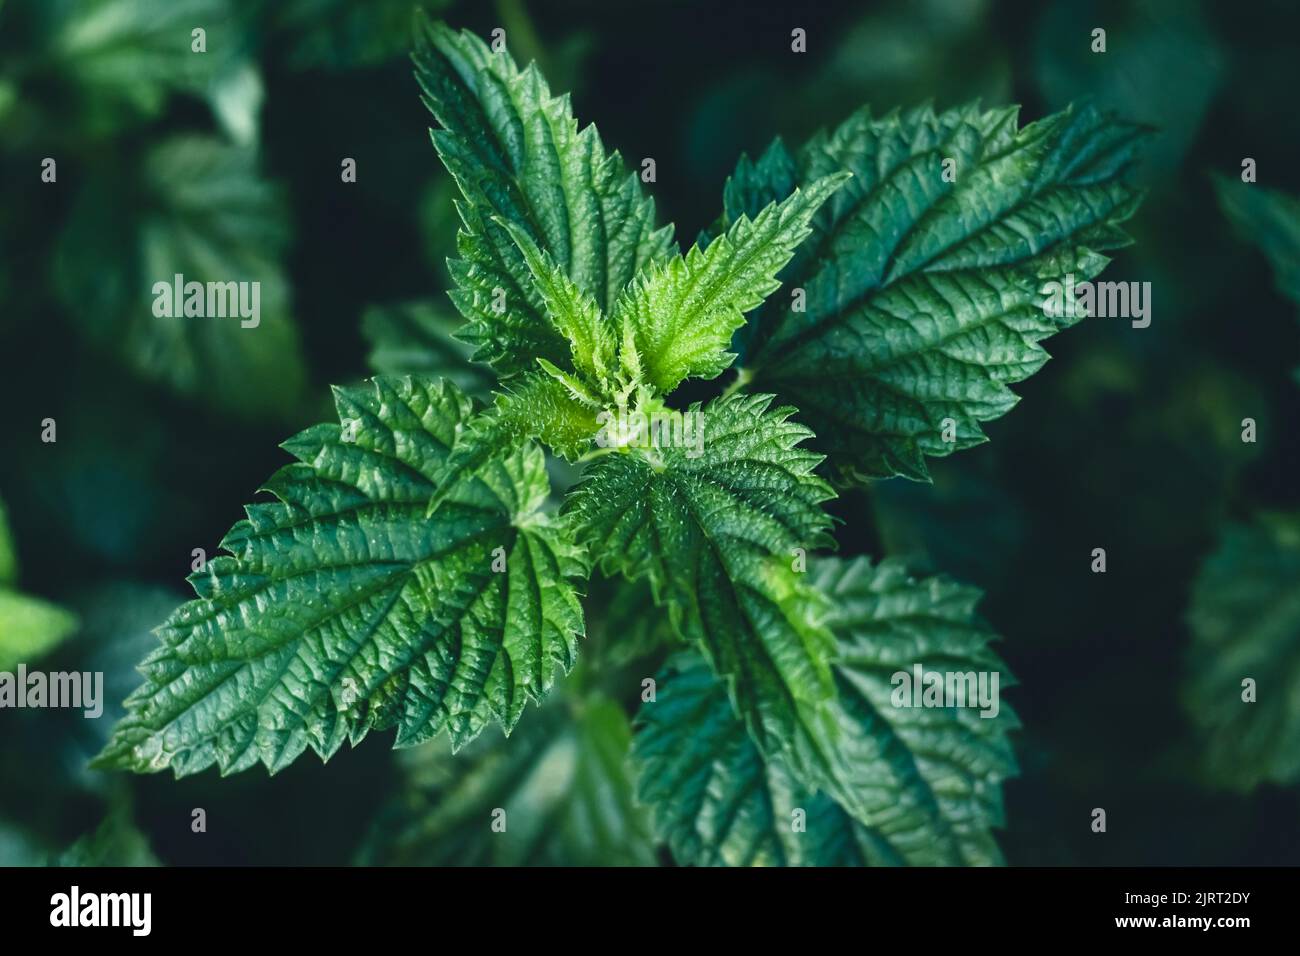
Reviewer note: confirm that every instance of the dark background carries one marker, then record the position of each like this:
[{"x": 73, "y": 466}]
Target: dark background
[{"x": 1128, "y": 440}]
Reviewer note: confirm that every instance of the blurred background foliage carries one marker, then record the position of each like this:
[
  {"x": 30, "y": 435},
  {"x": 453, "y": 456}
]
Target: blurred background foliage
[{"x": 228, "y": 164}]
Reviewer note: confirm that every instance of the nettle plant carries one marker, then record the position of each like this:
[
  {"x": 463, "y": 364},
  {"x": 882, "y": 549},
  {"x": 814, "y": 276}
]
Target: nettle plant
[{"x": 410, "y": 574}]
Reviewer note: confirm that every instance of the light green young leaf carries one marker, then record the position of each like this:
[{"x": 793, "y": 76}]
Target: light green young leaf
[
  {"x": 682, "y": 313},
  {"x": 561, "y": 779},
  {"x": 534, "y": 406},
  {"x": 30, "y": 628},
  {"x": 517, "y": 154},
  {"x": 923, "y": 296},
  {"x": 918, "y": 786},
  {"x": 205, "y": 214},
  {"x": 574, "y": 313},
  {"x": 342, "y": 608},
  {"x": 716, "y": 529},
  {"x": 1245, "y": 622}
]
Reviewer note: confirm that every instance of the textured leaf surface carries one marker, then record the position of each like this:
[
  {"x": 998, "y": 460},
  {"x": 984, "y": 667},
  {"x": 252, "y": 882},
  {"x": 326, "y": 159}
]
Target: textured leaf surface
[
  {"x": 341, "y": 608},
  {"x": 715, "y": 533},
  {"x": 561, "y": 778},
  {"x": 202, "y": 213},
  {"x": 1245, "y": 621},
  {"x": 574, "y": 313},
  {"x": 924, "y": 297},
  {"x": 517, "y": 154},
  {"x": 923, "y": 784},
  {"x": 716, "y": 800},
  {"x": 682, "y": 314}
]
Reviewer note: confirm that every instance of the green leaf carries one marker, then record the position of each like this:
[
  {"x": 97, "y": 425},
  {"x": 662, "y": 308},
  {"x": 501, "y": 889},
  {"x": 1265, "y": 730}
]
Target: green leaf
[
  {"x": 1245, "y": 622},
  {"x": 30, "y": 628},
  {"x": 561, "y": 779},
  {"x": 341, "y": 608},
  {"x": 415, "y": 338},
  {"x": 127, "y": 56},
  {"x": 924, "y": 297},
  {"x": 529, "y": 407},
  {"x": 517, "y": 154},
  {"x": 339, "y": 35},
  {"x": 1270, "y": 220},
  {"x": 716, "y": 800},
  {"x": 716, "y": 531},
  {"x": 928, "y": 778},
  {"x": 682, "y": 313},
  {"x": 917, "y": 786},
  {"x": 196, "y": 208},
  {"x": 115, "y": 842},
  {"x": 574, "y": 314},
  {"x": 8, "y": 554}
]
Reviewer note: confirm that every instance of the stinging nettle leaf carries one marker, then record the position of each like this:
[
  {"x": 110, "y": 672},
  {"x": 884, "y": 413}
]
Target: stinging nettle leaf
[
  {"x": 340, "y": 607},
  {"x": 716, "y": 530},
  {"x": 1271, "y": 220},
  {"x": 517, "y": 154},
  {"x": 415, "y": 338},
  {"x": 203, "y": 213},
  {"x": 716, "y": 800},
  {"x": 682, "y": 313},
  {"x": 1245, "y": 623},
  {"x": 923, "y": 296},
  {"x": 30, "y": 628},
  {"x": 574, "y": 314},
  {"x": 561, "y": 780},
  {"x": 916, "y": 786}
]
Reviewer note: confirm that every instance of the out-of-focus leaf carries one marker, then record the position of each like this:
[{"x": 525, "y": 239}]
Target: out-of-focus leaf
[
  {"x": 1163, "y": 64},
  {"x": 197, "y": 209},
  {"x": 1245, "y": 622},
  {"x": 966, "y": 523},
  {"x": 17, "y": 848},
  {"x": 415, "y": 338},
  {"x": 561, "y": 780},
  {"x": 115, "y": 842},
  {"x": 629, "y": 627},
  {"x": 8, "y": 557},
  {"x": 30, "y": 628},
  {"x": 121, "y": 59},
  {"x": 342, "y": 34},
  {"x": 1270, "y": 220}
]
